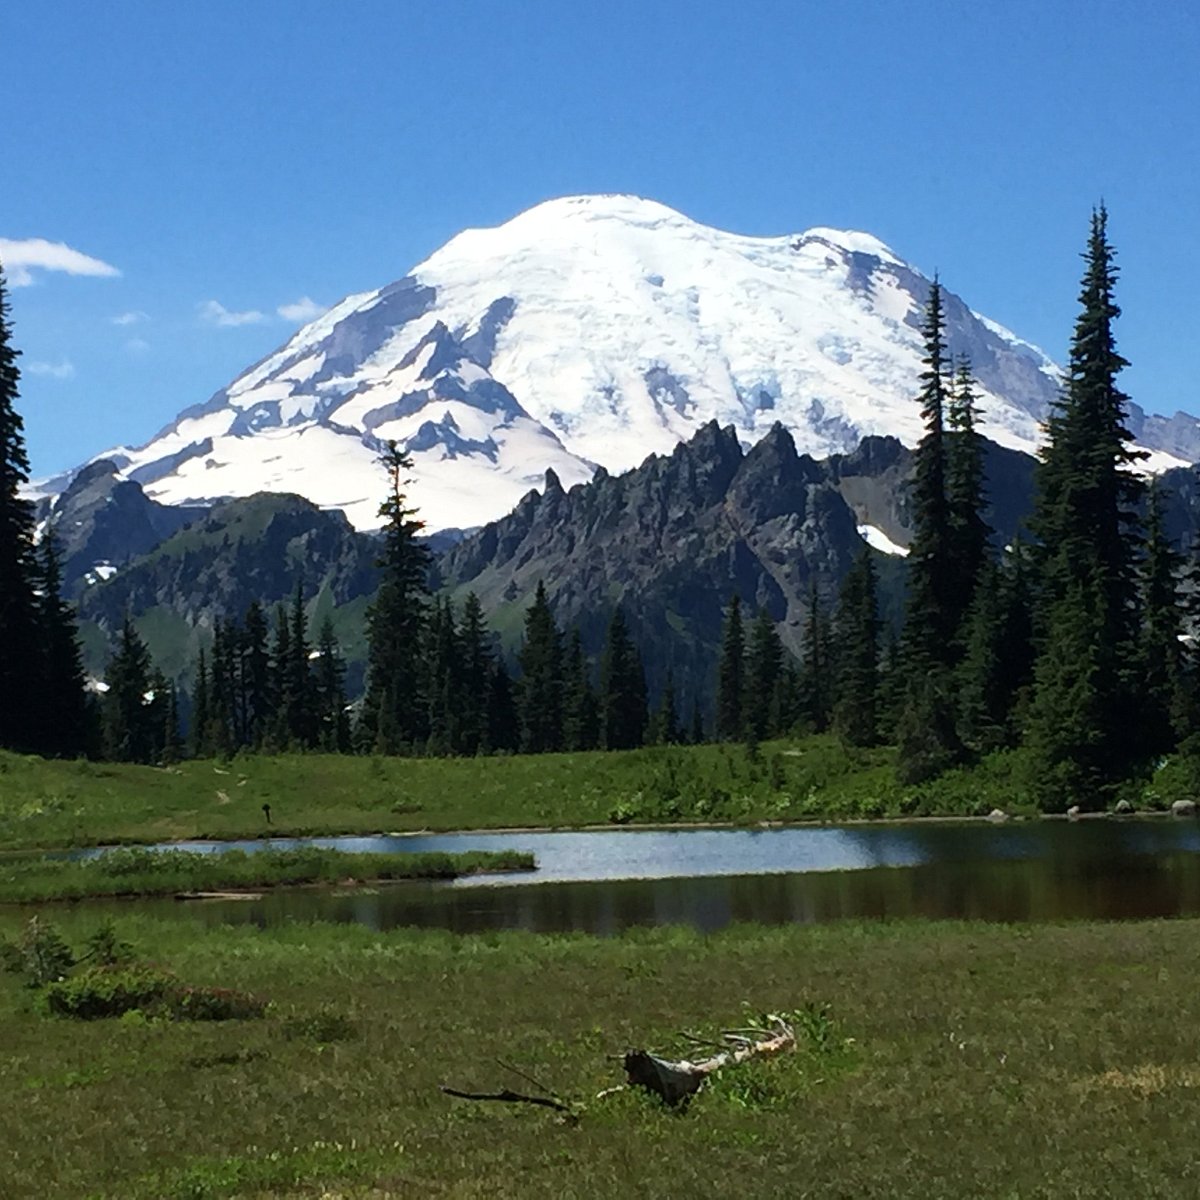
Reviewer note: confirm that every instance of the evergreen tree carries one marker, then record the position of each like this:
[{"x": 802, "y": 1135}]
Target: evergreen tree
[
  {"x": 969, "y": 530},
  {"x": 442, "y": 680},
  {"x": 504, "y": 726},
  {"x": 856, "y": 711},
  {"x": 1086, "y": 588},
  {"x": 329, "y": 687},
  {"x": 540, "y": 690},
  {"x": 392, "y": 712},
  {"x": 764, "y": 668},
  {"x": 18, "y": 623},
  {"x": 281, "y": 672},
  {"x": 581, "y": 709},
  {"x": 932, "y": 604},
  {"x": 256, "y": 675},
  {"x": 1161, "y": 665},
  {"x": 665, "y": 722},
  {"x": 130, "y": 731},
  {"x": 696, "y": 733},
  {"x": 985, "y": 696},
  {"x": 926, "y": 735},
  {"x": 622, "y": 688},
  {"x": 817, "y": 667},
  {"x": 298, "y": 700},
  {"x": 199, "y": 728},
  {"x": 731, "y": 674},
  {"x": 59, "y": 696},
  {"x": 475, "y": 662}
]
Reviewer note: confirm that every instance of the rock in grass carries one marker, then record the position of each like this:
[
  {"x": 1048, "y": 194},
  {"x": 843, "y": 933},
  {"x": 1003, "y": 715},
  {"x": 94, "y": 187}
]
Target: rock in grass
[
  {"x": 997, "y": 814},
  {"x": 1183, "y": 808},
  {"x": 1123, "y": 808},
  {"x": 1074, "y": 811}
]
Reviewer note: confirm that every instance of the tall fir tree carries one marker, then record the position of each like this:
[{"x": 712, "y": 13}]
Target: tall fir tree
[
  {"x": 329, "y": 692},
  {"x": 581, "y": 709},
  {"x": 256, "y": 675},
  {"x": 18, "y": 619},
  {"x": 622, "y": 688},
  {"x": 539, "y": 692},
  {"x": 817, "y": 668},
  {"x": 131, "y": 733},
  {"x": 764, "y": 669},
  {"x": 731, "y": 674},
  {"x": 1085, "y": 697},
  {"x": 1160, "y": 668},
  {"x": 504, "y": 725},
  {"x": 475, "y": 659},
  {"x": 929, "y": 620},
  {"x": 198, "y": 734},
  {"x": 664, "y": 724},
  {"x": 926, "y": 732},
  {"x": 965, "y": 496},
  {"x": 857, "y": 629},
  {"x": 442, "y": 680},
  {"x": 393, "y": 715},
  {"x": 60, "y": 699}
]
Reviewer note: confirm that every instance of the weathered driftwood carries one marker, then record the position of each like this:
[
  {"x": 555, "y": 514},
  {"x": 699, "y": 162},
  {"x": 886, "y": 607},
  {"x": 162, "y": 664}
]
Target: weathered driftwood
[{"x": 676, "y": 1082}]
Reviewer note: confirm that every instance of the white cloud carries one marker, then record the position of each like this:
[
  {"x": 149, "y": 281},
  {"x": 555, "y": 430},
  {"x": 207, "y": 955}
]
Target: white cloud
[
  {"x": 135, "y": 317},
  {"x": 303, "y": 310},
  {"x": 215, "y": 313},
  {"x": 137, "y": 345},
  {"x": 59, "y": 370},
  {"x": 24, "y": 256}
]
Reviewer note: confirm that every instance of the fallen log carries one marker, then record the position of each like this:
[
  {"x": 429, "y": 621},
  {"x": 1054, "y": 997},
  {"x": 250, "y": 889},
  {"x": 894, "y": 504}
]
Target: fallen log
[
  {"x": 674, "y": 1082},
  {"x": 677, "y": 1082}
]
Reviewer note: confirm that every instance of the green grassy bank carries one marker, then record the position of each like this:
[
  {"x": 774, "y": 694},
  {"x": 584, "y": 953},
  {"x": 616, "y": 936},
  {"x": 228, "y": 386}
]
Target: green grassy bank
[
  {"x": 995, "y": 1061},
  {"x": 46, "y": 804},
  {"x": 134, "y": 872}
]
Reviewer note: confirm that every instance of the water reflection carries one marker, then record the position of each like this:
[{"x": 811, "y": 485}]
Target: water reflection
[{"x": 1071, "y": 885}]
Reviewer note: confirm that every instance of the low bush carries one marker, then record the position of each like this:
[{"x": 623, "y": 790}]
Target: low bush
[{"x": 105, "y": 991}]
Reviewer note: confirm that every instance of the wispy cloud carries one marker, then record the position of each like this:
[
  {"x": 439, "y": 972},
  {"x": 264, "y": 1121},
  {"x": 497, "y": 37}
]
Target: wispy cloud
[
  {"x": 302, "y": 310},
  {"x": 134, "y": 317},
  {"x": 58, "y": 370},
  {"x": 22, "y": 257},
  {"x": 215, "y": 313},
  {"x": 137, "y": 346}
]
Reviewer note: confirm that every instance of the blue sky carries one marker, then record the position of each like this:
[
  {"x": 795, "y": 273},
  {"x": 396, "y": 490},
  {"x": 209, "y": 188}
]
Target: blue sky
[{"x": 226, "y": 161}]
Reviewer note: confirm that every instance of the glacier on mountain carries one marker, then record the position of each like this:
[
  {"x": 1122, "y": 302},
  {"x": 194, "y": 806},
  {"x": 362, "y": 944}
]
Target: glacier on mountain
[{"x": 591, "y": 330}]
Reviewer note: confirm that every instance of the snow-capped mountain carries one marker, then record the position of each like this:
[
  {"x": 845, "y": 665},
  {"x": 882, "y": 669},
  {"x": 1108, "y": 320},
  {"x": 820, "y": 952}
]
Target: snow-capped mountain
[{"x": 592, "y": 330}]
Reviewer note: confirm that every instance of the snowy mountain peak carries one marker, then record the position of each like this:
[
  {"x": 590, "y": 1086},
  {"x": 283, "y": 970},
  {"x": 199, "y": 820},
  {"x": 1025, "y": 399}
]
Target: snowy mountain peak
[{"x": 590, "y": 330}]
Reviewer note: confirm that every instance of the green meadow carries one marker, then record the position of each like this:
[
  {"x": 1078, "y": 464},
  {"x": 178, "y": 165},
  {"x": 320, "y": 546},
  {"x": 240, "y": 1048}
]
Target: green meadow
[
  {"x": 46, "y": 803},
  {"x": 934, "y": 1060}
]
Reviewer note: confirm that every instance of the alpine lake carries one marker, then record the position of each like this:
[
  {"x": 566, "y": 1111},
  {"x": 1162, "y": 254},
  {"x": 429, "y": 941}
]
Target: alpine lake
[{"x": 602, "y": 882}]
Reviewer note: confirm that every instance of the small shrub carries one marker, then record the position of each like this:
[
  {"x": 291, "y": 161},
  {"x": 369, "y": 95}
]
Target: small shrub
[
  {"x": 100, "y": 992},
  {"x": 324, "y": 1026},
  {"x": 39, "y": 953},
  {"x": 214, "y": 1004},
  {"x": 105, "y": 948}
]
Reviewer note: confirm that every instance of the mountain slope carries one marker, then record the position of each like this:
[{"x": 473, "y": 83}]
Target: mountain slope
[{"x": 593, "y": 330}]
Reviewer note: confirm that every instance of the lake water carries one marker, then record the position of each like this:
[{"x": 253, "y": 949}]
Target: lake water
[{"x": 604, "y": 881}]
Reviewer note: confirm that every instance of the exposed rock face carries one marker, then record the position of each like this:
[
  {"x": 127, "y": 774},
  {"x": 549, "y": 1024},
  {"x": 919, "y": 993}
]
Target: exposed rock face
[{"x": 103, "y": 522}]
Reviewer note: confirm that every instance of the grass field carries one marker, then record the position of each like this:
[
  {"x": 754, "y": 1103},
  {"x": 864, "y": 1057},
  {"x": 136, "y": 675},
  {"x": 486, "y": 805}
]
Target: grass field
[
  {"x": 48, "y": 804},
  {"x": 136, "y": 872},
  {"x": 1046, "y": 1061}
]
